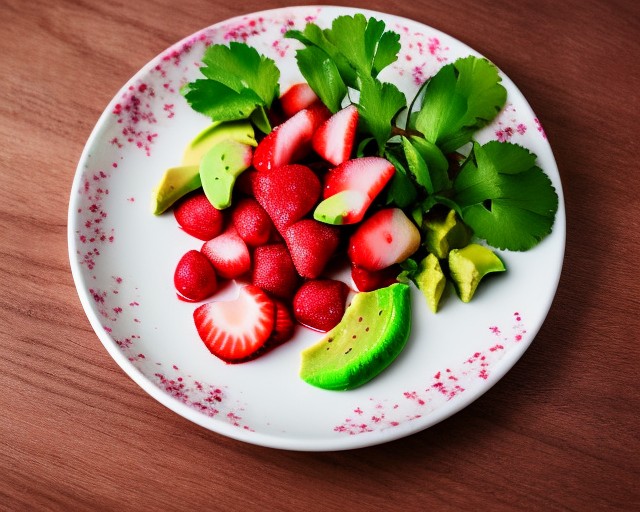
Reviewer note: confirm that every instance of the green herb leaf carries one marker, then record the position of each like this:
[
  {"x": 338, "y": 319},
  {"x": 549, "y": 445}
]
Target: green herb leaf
[
  {"x": 219, "y": 102},
  {"x": 357, "y": 45},
  {"x": 323, "y": 76},
  {"x": 504, "y": 197},
  {"x": 401, "y": 190},
  {"x": 379, "y": 104},
  {"x": 237, "y": 81},
  {"x": 460, "y": 99}
]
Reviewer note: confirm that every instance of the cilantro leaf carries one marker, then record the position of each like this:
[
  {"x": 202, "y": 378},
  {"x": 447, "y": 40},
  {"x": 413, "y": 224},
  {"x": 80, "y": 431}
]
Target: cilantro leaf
[
  {"x": 504, "y": 197},
  {"x": 238, "y": 80},
  {"x": 357, "y": 45},
  {"x": 401, "y": 190},
  {"x": 435, "y": 161},
  {"x": 378, "y": 105},
  {"x": 220, "y": 102},
  {"x": 460, "y": 99},
  {"x": 323, "y": 76}
]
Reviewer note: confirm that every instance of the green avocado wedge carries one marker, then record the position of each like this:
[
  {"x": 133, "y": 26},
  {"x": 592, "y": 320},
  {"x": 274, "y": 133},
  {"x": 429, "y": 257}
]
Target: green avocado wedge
[
  {"x": 175, "y": 183},
  {"x": 469, "y": 265},
  {"x": 240, "y": 131},
  {"x": 219, "y": 168},
  {"x": 372, "y": 333}
]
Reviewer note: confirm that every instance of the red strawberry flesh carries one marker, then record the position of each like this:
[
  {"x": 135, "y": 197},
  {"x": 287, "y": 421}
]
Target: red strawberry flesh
[
  {"x": 287, "y": 193},
  {"x": 320, "y": 304},
  {"x": 385, "y": 238},
  {"x": 252, "y": 222},
  {"x": 194, "y": 277},
  {"x": 236, "y": 330},
  {"x": 334, "y": 140},
  {"x": 296, "y": 98},
  {"x": 273, "y": 270},
  {"x": 228, "y": 254},
  {"x": 311, "y": 245},
  {"x": 198, "y": 217}
]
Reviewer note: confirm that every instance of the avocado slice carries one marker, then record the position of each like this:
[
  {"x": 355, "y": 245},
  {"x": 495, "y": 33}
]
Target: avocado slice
[
  {"x": 431, "y": 281},
  {"x": 467, "y": 266},
  {"x": 337, "y": 208},
  {"x": 175, "y": 183},
  {"x": 445, "y": 232},
  {"x": 219, "y": 168},
  {"x": 240, "y": 131},
  {"x": 372, "y": 333},
  {"x": 179, "y": 181}
]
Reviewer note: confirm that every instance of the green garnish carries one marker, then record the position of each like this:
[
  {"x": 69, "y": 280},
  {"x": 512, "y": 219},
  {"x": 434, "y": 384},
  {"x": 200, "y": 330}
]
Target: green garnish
[
  {"x": 504, "y": 197},
  {"x": 239, "y": 83},
  {"x": 460, "y": 99}
]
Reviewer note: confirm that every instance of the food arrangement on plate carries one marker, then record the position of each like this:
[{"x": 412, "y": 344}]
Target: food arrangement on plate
[{"x": 287, "y": 190}]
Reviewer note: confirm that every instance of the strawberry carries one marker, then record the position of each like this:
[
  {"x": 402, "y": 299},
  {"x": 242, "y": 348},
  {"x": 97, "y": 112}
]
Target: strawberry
[
  {"x": 333, "y": 141},
  {"x": 367, "y": 281},
  {"x": 350, "y": 188},
  {"x": 311, "y": 245},
  {"x": 290, "y": 141},
  {"x": 252, "y": 222},
  {"x": 236, "y": 330},
  {"x": 198, "y": 217},
  {"x": 296, "y": 98},
  {"x": 320, "y": 304},
  {"x": 287, "y": 193},
  {"x": 194, "y": 277},
  {"x": 273, "y": 270},
  {"x": 244, "y": 183},
  {"x": 228, "y": 253},
  {"x": 385, "y": 238},
  {"x": 283, "y": 326}
]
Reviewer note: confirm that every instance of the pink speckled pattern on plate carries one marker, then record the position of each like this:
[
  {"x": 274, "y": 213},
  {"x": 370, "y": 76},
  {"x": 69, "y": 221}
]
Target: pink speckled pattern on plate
[{"x": 123, "y": 258}]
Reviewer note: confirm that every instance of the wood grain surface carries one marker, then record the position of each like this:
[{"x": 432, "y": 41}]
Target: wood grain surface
[{"x": 559, "y": 432}]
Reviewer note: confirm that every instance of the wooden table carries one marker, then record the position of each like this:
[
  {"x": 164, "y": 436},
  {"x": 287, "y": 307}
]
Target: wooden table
[{"x": 559, "y": 432}]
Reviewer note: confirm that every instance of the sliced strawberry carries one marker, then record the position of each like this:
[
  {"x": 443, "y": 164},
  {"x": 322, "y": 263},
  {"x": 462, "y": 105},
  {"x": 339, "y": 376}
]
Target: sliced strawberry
[
  {"x": 283, "y": 326},
  {"x": 320, "y": 303},
  {"x": 287, "y": 193},
  {"x": 194, "y": 277},
  {"x": 333, "y": 141},
  {"x": 198, "y": 217},
  {"x": 273, "y": 270},
  {"x": 367, "y": 280},
  {"x": 229, "y": 254},
  {"x": 350, "y": 188},
  {"x": 252, "y": 222},
  {"x": 291, "y": 141},
  {"x": 311, "y": 245},
  {"x": 236, "y": 330},
  {"x": 385, "y": 238},
  {"x": 296, "y": 98}
]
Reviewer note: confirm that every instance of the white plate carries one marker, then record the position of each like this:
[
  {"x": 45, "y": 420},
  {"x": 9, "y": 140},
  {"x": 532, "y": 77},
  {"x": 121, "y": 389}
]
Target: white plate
[{"x": 123, "y": 258}]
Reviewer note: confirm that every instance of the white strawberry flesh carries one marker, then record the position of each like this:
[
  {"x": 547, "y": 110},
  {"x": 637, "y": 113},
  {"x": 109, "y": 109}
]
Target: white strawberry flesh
[{"x": 385, "y": 238}]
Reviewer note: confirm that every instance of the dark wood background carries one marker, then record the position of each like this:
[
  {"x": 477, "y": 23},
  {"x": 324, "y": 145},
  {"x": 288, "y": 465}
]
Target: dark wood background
[{"x": 559, "y": 432}]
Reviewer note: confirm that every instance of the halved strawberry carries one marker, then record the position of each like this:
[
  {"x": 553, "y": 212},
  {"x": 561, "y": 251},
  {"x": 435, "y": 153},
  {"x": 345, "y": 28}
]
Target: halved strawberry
[
  {"x": 320, "y": 304},
  {"x": 333, "y": 141},
  {"x": 228, "y": 253},
  {"x": 198, "y": 217},
  {"x": 385, "y": 238},
  {"x": 367, "y": 280},
  {"x": 287, "y": 193},
  {"x": 194, "y": 277},
  {"x": 273, "y": 270},
  {"x": 296, "y": 98},
  {"x": 252, "y": 222},
  {"x": 311, "y": 245},
  {"x": 350, "y": 188},
  {"x": 236, "y": 330},
  {"x": 290, "y": 141}
]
